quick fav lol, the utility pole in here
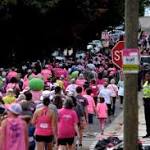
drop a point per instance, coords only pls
(131, 79)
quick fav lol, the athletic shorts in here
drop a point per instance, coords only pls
(90, 118)
(66, 141)
(46, 139)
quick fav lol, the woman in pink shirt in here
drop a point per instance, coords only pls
(12, 73)
(46, 73)
(94, 87)
(67, 125)
(102, 113)
(81, 80)
(44, 120)
(90, 106)
(14, 132)
(100, 79)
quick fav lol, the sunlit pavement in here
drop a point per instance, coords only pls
(115, 128)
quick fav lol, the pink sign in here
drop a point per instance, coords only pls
(131, 60)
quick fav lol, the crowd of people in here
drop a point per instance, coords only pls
(51, 105)
(144, 43)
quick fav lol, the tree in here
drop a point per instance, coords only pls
(37, 25)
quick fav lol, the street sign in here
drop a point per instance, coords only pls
(117, 54)
(131, 60)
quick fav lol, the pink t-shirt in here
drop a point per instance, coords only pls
(59, 71)
(39, 75)
(12, 74)
(36, 96)
(91, 104)
(46, 74)
(95, 89)
(102, 81)
(50, 67)
(25, 82)
(80, 82)
(12, 86)
(43, 123)
(65, 83)
(14, 135)
(102, 110)
(67, 118)
(114, 90)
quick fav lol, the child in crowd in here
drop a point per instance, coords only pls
(90, 108)
(102, 113)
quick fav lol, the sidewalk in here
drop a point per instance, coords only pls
(116, 127)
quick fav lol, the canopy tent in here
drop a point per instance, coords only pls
(145, 23)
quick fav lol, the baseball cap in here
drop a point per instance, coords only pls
(15, 108)
(45, 93)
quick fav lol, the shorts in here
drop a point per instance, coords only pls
(32, 145)
(109, 109)
(66, 141)
(90, 118)
(46, 139)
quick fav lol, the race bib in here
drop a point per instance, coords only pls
(44, 125)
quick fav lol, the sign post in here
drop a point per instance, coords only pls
(131, 79)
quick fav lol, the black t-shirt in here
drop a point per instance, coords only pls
(82, 100)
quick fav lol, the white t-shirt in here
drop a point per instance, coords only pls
(71, 88)
(106, 94)
(91, 66)
(121, 88)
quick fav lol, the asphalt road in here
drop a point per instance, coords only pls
(89, 140)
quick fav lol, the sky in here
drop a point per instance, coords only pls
(147, 11)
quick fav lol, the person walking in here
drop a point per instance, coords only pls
(14, 132)
(146, 100)
(44, 120)
(90, 109)
(114, 93)
(106, 94)
(84, 103)
(102, 114)
(67, 126)
(121, 90)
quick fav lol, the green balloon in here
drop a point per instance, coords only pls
(74, 74)
(36, 84)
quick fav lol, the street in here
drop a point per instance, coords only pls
(90, 141)
(116, 127)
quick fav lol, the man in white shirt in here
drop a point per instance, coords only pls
(106, 94)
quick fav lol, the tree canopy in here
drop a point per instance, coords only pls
(41, 25)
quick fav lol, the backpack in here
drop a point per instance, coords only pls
(79, 110)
